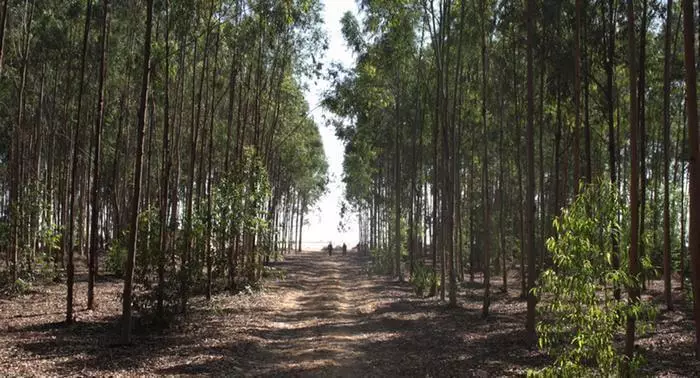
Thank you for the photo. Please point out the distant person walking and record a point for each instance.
(345, 249)
(330, 248)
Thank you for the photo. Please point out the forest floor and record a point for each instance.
(327, 317)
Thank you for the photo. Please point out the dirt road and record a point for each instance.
(326, 318)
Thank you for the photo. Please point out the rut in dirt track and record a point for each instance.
(317, 325)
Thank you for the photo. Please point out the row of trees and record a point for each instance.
(216, 176)
(470, 125)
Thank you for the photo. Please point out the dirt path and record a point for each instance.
(326, 318)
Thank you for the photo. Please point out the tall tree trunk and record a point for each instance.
(634, 180)
(530, 195)
(99, 122)
(136, 198)
(586, 98)
(577, 96)
(76, 154)
(3, 26)
(667, 160)
(15, 152)
(681, 258)
(502, 199)
(694, 166)
(165, 178)
(517, 148)
(397, 194)
(302, 206)
(641, 98)
(612, 150)
(209, 178)
(485, 164)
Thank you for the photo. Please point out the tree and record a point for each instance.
(76, 154)
(3, 26)
(694, 166)
(633, 290)
(667, 160)
(97, 161)
(530, 191)
(138, 172)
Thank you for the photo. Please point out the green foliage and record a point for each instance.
(423, 279)
(382, 261)
(116, 256)
(274, 273)
(580, 318)
(148, 249)
(19, 287)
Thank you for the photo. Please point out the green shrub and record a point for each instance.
(116, 257)
(18, 287)
(382, 261)
(423, 279)
(579, 316)
(274, 273)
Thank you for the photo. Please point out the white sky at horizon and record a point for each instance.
(324, 218)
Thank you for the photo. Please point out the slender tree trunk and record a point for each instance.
(612, 150)
(577, 96)
(586, 97)
(540, 250)
(15, 152)
(77, 148)
(302, 206)
(3, 26)
(682, 254)
(530, 195)
(501, 200)
(517, 147)
(136, 199)
(694, 166)
(667, 161)
(634, 180)
(641, 101)
(485, 165)
(99, 122)
(165, 178)
(397, 195)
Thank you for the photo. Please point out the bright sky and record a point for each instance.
(323, 220)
